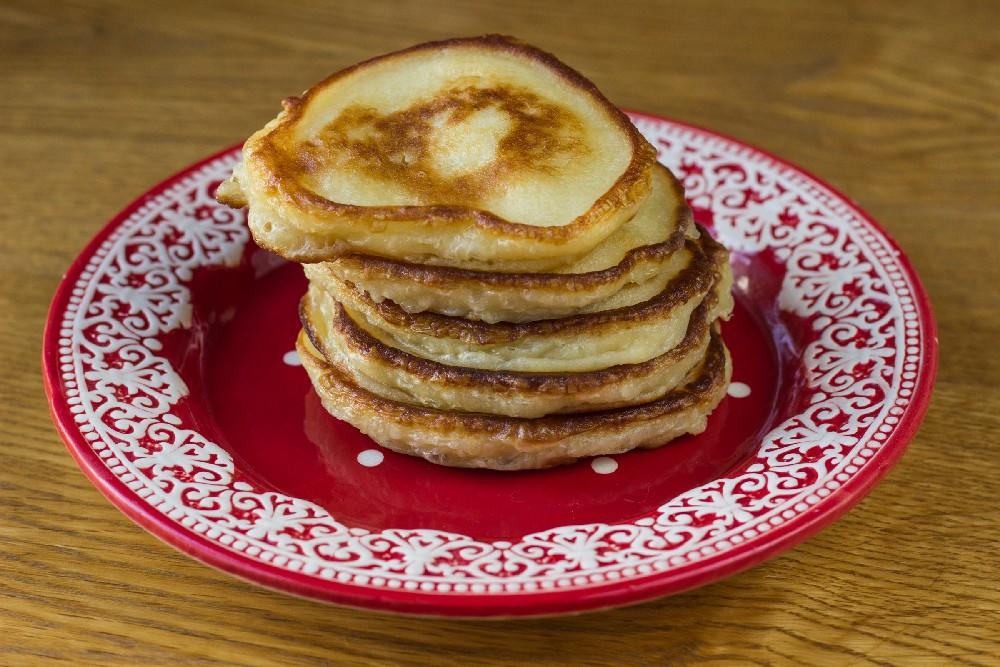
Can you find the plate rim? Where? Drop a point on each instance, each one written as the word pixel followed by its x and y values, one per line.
pixel 489 605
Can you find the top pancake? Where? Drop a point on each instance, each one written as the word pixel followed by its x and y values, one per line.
pixel 478 150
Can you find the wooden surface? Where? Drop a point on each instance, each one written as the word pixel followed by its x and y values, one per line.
pixel 896 103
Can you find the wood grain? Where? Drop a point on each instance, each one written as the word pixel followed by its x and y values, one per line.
pixel 897 103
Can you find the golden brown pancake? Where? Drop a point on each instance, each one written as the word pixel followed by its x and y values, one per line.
pixel 510 443
pixel 403 377
pixel 624 333
pixel 639 252
pixel 475 151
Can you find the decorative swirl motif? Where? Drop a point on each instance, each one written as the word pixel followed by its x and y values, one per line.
pixel 840 275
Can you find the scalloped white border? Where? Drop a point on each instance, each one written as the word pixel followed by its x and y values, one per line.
pixel 126 412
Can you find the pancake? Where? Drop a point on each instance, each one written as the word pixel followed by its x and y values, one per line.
pixel 466 152
pixel 638 252
pixel 403 377
pixel 624 333
pixel 510 443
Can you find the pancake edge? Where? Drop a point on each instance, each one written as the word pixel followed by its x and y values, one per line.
pixel 511 443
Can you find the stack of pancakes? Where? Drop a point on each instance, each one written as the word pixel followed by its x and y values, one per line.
pixel 501 275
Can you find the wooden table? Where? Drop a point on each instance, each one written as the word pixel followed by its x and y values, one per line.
pixel 897 104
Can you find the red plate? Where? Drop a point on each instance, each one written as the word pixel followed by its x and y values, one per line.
pixel 169 367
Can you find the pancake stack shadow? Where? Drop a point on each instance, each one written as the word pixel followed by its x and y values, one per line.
pixel 500 275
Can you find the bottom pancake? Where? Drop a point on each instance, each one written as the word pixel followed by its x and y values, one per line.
pixel 474 440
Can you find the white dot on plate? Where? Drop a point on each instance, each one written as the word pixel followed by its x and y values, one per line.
pixel 292 358
pixel 738 389
pixel 370 458
pixel 604 465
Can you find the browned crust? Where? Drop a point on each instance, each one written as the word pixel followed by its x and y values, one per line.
pixel 695 279
pixel 268 155
pixel 506 381
pixel 444 276
pixel 538 430
pixel 300 256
